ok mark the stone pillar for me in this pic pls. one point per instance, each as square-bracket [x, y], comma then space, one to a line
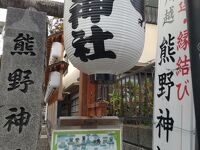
[21, 79]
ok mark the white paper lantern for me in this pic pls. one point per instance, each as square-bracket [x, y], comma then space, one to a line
[104, 36]
[54, 79]
[56, 52]
[54, 82]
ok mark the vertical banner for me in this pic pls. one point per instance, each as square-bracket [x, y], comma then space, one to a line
[193, 15]
[174, 119]
[21, 79]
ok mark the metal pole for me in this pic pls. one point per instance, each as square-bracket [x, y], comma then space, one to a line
[193, 17]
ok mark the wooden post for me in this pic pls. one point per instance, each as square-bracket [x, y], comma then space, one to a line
[83, 94]
[60, 96]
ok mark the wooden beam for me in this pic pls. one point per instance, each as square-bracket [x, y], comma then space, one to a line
[52, 8]
[88, 122]
[60, 96]
[83, 94]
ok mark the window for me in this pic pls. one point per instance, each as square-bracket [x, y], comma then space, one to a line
[74, 104]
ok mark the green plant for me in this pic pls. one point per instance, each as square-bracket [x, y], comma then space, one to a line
[133, 99]
[115, 101]
[147, 91]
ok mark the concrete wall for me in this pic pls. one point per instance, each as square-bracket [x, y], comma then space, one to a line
[137, 137]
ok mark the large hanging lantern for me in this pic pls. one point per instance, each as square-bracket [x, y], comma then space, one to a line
[104, 36]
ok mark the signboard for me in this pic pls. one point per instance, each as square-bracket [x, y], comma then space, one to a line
[174, 119]
[93, 139]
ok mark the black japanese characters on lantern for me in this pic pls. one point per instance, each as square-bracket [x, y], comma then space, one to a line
[97, 38]
[24, 44]
[94, 9]
[21, 79]
[139, 6]
[17, 119]
[89, 8]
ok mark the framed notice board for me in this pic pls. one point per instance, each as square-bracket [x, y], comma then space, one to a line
[87, 139]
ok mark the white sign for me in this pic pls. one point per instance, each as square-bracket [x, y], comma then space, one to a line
[174, 120]
[84, 139]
